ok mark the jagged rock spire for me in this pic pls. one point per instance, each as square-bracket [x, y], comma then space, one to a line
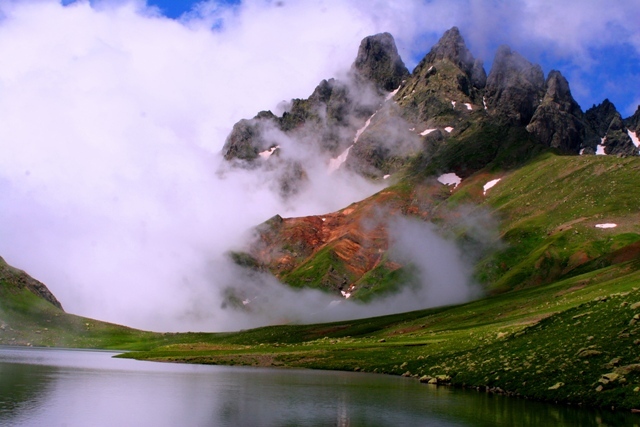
[378, 60]
[600, 116]
[515, 87]
[606, 123]
[558, 122]
[452, 47]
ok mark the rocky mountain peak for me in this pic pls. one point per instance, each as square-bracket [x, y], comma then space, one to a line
[606, 123]
[600, 117]
[558, 121]
[558, 89]
[515, 87]
[452, 47]
[378, 61]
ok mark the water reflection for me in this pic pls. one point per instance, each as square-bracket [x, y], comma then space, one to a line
[78, 388]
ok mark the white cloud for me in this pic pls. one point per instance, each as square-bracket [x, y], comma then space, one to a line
[112, 118]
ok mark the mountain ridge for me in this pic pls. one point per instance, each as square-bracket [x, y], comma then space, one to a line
[447, 116]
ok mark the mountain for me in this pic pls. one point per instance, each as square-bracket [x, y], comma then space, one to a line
[446, 116]
[500, 168]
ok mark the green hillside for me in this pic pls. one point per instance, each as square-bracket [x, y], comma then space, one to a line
[30, 320]
[561, 324]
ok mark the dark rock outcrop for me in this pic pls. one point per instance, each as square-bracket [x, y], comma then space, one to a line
[330, 117]
[247, 138]
[444, 86]
[558, 121]
[378, 61]
[19, 279]
[633, 123]
[452, 47]
[617, 139]
[608, 128]
[599, 117]
[515, 88]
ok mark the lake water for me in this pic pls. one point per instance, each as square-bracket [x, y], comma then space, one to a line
[54, 387]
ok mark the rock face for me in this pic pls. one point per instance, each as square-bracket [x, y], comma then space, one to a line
[452, 47]
[599, 117]
[330, 117]
[378, 61]
[558, 121]
[515, 88]
[325, 123]
[344, 251]
[444, 85]
[247, 138]
[633, 122]
[606, 123]
[19, 279]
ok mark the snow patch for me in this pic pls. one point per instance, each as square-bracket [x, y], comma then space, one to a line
[386, 177]
[392, 94]
[430, 68]
[334, 164]
[362, 129]
[608, 225]
[448, 129]
[426, 132]
[634, 138]
[267, 153]
[600, 148]
[490, 185]
[484, 102]
[469, 106]
[450, 179]
[453, 103]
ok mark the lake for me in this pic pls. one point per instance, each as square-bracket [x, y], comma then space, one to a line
[60, 387]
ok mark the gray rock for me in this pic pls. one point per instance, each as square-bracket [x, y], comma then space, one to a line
[247, 138]
[558, 121]
[451, 47]
[379, 62]
[633, 123]
[604, 121]
[515, 88]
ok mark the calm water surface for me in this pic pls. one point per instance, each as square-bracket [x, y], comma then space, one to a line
[52, 387]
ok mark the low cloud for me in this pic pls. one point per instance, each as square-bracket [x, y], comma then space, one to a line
[112, 119]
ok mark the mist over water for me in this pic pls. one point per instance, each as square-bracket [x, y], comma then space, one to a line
[113, 191]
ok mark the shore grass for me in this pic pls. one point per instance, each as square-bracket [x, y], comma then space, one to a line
[573, 341]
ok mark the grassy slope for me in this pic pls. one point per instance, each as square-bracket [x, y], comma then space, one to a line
[566, 322]
[26, 319]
